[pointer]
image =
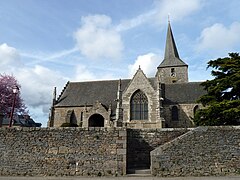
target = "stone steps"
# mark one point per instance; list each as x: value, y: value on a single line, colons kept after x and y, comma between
x: 139, y: 172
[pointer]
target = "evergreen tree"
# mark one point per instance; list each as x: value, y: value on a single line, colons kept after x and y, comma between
x: 222, y: 101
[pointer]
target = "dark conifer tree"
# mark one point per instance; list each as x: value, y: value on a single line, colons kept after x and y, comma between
x: 222, y: 101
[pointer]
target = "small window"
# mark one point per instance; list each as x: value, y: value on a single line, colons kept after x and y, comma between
x: 175, y: 113
x: 173, y: 73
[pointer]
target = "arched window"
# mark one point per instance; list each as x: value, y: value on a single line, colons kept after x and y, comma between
x: 139, y: 106
x: 73, y: 119
x: 175, y: 113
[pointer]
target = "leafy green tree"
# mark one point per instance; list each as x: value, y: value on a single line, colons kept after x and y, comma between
x: 222, y: 100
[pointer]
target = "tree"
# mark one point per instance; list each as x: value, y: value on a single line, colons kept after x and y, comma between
x: 222, y: 100
x: 7, y: 82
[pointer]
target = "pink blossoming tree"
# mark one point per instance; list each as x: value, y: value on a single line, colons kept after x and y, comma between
x: 7, y: 82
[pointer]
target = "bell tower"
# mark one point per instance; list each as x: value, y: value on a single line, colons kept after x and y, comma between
x: 172, y: 69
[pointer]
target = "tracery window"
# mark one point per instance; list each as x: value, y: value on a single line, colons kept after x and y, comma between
x: 139, y: 106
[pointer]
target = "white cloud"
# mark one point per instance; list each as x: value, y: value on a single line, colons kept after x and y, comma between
x: 177, y: 9
x: 83, y: 74
x: 219, y: 37
x: 134, y: 22
x: 9, y: 57
x: 36, y: 82
x: 96, y: 38
x: 147, y: 62
x: 49, y: 57
x: 37, y: 87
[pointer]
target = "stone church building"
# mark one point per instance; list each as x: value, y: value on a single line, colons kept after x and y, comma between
x: 166, y: 100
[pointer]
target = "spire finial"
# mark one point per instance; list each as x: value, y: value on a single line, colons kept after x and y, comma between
x: 139, y: 67
x: 168, y: 17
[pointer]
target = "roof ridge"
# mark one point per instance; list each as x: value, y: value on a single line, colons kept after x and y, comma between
x: 107, y: 80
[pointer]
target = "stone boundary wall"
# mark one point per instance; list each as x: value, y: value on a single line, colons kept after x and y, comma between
x: 62, y: 151
x: 140, y: 142
x: 203, y: 151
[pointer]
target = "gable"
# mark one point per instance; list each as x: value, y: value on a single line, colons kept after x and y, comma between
x: 139, y: 81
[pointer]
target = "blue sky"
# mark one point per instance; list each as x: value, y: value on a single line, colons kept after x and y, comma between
x: 45, y: 43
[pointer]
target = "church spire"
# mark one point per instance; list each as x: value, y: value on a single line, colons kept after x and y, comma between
x: 171, y: 57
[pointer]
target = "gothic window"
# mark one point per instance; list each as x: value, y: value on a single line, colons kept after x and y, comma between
x: 73, y: 119
x: 139, y: 106
x: 175, y: 113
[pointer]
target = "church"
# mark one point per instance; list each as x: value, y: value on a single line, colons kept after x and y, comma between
x: 167, y: 100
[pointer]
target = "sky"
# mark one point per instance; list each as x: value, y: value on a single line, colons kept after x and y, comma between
x: 45, y: 43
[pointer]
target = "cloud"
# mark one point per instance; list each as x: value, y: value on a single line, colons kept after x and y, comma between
x: 219, y: 38
x: 97, y: 38
x: 9, y: 57
x: 177, y: 9
x: 136, y: 21
x: 37, y: 82
x: 49, y: 57
x: 147, y: 62
x: 83, y: 74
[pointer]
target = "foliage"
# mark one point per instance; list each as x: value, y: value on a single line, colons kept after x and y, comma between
x: 222, y: 101
x: 7, y: 82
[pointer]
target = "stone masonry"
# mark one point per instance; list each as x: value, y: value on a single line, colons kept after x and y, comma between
x: 201, y: 151
x: 205, y: 151
x: 62, y: 151
x: 140, y: 142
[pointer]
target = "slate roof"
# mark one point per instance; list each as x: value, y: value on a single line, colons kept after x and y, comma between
x: 182, y: 92
x: 20, y: 120
x: 171, y: 56
x: 87, y: 93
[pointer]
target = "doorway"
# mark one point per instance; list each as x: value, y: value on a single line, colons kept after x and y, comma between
x: 96, y: 120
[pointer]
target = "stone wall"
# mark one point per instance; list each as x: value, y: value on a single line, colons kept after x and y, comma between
x: 181, y: 74
x: 185, y: 115
x: 63, y: 151
x: 112, y: 151
x: 80, y: 115
x: 204, y: 151
x: 140, y: 142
